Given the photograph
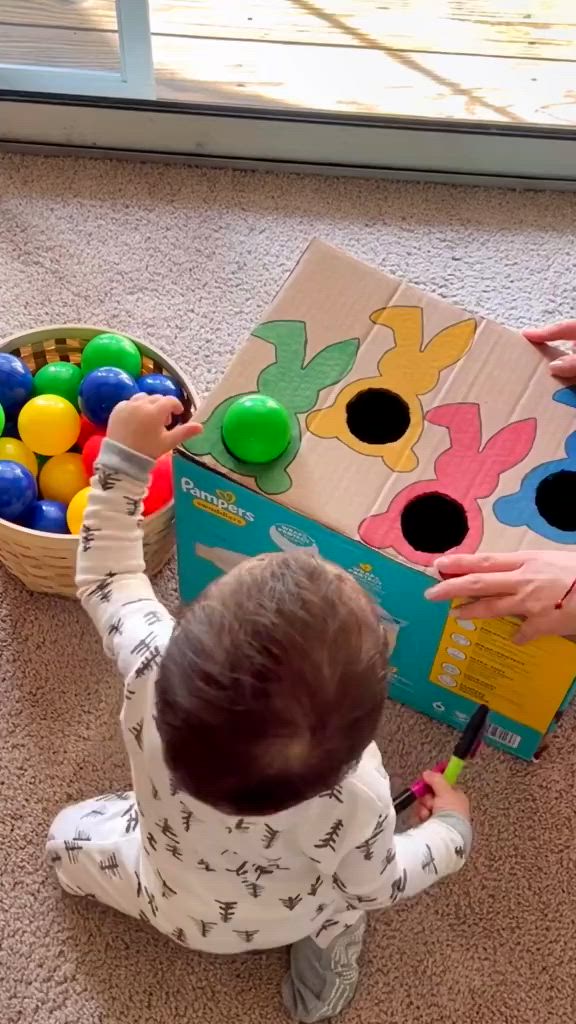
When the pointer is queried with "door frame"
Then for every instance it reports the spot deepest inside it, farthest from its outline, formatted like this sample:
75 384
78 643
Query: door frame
483 154
134 80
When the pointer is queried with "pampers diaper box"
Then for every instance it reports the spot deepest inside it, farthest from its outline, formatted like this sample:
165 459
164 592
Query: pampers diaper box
413 430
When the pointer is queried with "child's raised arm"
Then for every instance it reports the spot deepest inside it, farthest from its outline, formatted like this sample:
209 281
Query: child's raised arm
110 571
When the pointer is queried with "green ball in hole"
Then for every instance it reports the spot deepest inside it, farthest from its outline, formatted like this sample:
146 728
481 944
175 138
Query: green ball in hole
256 428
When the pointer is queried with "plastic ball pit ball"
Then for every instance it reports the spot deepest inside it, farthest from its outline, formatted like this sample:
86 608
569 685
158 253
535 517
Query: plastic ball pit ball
11 430
59 379
159 384
44 515
62 476
102 389
88 429
161 489
112 350
256 429
48 424
17 489
43 559
2 419
90 453
76 509
12 449
15 383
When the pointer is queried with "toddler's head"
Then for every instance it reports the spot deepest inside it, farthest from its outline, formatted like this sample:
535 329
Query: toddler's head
272 684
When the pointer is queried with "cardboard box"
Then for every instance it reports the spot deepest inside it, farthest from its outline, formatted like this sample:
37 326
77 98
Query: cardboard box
416 429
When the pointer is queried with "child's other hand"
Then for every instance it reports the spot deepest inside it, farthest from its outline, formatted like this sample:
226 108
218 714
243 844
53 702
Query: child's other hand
443 798
423 808
142 425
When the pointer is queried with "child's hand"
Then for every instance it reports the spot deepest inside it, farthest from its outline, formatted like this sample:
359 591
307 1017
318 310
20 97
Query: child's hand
442 798
142 425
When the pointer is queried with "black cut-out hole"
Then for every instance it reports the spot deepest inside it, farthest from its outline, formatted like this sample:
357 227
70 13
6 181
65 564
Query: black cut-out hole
377 416
434 523
556 500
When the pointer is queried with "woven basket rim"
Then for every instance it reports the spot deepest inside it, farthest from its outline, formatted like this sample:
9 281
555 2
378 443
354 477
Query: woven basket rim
52 331
72 538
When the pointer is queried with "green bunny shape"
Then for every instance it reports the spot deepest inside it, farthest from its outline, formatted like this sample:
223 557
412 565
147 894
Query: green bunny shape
289 381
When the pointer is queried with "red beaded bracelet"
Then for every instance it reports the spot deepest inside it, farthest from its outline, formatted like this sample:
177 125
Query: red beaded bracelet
560 604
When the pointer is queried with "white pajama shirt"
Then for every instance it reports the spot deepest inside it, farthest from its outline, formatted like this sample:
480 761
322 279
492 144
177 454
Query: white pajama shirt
213 881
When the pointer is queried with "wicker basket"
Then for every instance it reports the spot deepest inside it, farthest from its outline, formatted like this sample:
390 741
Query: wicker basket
45 562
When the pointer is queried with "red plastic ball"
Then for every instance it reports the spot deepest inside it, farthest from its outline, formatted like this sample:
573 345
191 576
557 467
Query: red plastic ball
88 429
91 451
161 490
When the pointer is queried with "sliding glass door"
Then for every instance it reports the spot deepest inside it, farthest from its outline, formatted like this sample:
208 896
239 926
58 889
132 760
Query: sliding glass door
77 48
474 90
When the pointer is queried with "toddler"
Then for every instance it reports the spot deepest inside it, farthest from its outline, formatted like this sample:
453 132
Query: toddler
260 813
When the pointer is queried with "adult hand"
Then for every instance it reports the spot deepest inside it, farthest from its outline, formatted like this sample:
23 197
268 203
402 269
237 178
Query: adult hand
527 583
142 425
564 365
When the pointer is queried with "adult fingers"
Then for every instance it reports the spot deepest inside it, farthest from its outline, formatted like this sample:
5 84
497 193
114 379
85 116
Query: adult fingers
487 608
564 330
462 565
533 628
473 585
563 367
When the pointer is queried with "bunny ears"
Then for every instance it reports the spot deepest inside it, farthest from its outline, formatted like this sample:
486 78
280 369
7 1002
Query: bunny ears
432 517
382 416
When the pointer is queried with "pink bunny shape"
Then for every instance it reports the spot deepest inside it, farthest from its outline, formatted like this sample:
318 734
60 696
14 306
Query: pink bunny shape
464 473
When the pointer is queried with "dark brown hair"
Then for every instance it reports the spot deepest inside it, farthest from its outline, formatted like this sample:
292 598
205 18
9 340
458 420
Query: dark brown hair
272 684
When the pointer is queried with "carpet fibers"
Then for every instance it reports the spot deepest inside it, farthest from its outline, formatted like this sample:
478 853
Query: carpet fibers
189 259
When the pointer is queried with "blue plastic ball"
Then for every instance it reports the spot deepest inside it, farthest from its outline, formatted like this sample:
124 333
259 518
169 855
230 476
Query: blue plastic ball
160 384
17 489
49 516
15 383
102 389
11 429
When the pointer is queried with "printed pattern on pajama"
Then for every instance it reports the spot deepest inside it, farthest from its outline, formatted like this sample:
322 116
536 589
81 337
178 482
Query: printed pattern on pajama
213 881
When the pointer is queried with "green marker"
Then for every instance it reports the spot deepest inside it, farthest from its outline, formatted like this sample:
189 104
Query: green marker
467 744
256 429
453 769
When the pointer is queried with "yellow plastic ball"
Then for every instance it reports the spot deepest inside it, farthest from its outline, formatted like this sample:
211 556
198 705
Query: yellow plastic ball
76 509
48 424
62 477
12 450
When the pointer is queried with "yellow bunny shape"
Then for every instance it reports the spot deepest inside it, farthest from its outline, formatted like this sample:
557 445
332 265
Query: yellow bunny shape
383 416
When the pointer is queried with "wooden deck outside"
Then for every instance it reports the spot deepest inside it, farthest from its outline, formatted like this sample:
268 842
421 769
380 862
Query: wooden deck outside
489 60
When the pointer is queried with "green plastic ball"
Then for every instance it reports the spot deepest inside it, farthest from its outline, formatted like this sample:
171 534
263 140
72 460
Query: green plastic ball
2 419
112 350
59 379
256 429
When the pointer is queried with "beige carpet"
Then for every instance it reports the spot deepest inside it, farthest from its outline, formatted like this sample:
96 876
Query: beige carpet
189 259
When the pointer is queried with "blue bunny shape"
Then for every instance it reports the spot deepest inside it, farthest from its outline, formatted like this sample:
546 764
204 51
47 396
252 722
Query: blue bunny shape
525 507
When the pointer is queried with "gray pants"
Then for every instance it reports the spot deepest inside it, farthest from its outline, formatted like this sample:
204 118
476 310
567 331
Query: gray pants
321 982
